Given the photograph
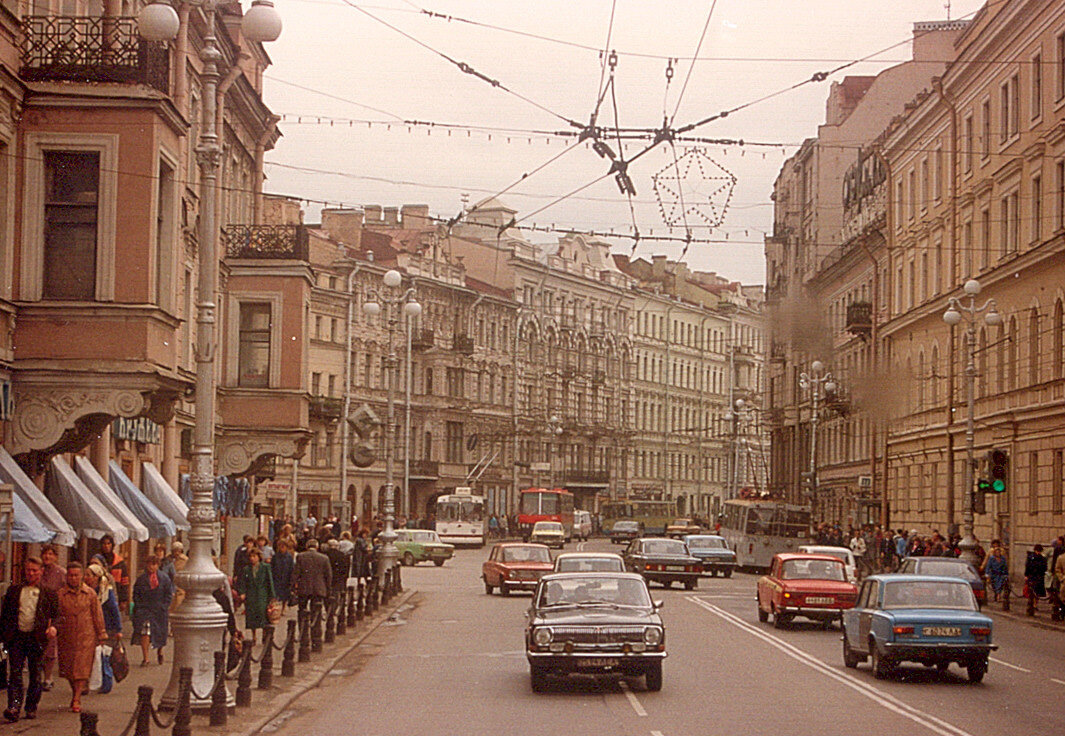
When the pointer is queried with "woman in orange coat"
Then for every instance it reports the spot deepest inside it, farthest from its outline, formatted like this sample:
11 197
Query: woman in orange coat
79 630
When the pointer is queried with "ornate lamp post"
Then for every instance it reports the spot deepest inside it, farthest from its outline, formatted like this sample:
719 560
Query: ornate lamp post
819 384
957 310
735 416
199 622
392 299
554 429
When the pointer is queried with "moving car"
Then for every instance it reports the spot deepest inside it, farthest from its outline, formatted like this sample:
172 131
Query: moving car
843 553
582 524
515 566
680 527
421 545
950 567
917 618
594 623
589 562
665 561
812 586
550 533
623 531
713 551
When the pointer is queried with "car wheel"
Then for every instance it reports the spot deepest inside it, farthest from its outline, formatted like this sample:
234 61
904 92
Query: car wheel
487 587
728 573
408 559
713 573
667 584
977 670
850 659
438 563
690 584
503 589
881 665
942 666
780 620
763 616
537 679
653 676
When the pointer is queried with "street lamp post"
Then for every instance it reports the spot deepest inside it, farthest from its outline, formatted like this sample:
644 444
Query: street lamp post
393 299
199 622
819 383
957 310
735 416
554 427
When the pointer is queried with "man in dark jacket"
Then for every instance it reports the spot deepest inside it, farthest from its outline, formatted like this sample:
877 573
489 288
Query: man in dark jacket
27 623
339 564
1035 570
312 576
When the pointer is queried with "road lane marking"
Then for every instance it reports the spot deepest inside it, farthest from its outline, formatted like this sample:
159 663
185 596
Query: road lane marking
1060 682
883 699
1007 664
633 701
656 733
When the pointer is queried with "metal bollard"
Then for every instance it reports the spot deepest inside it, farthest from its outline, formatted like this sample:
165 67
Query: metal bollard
305 636
341 604
219 714
330 620
244 678
316 625
89 722
266 664
360 605
386 587
288 661
351 608
143 725
183 710
397 581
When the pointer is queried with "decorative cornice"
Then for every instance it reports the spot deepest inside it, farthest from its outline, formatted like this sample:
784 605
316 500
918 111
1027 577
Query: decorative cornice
244 454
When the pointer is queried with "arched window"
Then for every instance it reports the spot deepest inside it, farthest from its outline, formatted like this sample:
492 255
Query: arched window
1000 359
1033 346
981 363
1058 360
922 379
1012 354
933 378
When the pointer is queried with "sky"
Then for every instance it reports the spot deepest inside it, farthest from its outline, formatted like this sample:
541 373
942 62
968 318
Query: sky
446 102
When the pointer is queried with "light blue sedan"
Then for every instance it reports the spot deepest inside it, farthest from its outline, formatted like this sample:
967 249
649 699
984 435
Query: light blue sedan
933 621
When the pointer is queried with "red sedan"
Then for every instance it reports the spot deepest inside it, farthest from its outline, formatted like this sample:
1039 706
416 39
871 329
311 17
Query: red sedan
515 566
812 586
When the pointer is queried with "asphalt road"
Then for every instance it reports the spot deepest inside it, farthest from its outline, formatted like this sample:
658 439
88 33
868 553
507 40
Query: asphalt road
453 663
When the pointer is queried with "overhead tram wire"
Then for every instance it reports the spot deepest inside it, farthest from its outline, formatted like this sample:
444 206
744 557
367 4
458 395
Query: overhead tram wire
463 66
331 96
691 67
603 65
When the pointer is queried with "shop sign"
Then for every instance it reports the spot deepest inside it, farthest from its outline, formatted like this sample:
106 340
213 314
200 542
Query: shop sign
140 429
7 401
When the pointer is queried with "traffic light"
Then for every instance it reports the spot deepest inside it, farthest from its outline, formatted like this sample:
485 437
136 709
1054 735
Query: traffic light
979 500
998 468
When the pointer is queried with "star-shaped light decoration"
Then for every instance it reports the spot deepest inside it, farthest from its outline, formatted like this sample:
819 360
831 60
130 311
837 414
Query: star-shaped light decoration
694 187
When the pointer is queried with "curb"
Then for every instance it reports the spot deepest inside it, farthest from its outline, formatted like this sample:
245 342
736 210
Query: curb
322 671
1028 620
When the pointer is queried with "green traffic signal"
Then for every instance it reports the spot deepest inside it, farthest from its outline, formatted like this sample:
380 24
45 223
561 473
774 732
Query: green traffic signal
984 485
998 486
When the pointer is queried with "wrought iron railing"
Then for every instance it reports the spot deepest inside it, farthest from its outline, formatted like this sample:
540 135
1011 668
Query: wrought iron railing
860 318
424 469
92 49
463 344
422 339
326 407
265 241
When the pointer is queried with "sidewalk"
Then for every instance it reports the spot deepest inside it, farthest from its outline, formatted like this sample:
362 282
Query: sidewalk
114 709
1016 613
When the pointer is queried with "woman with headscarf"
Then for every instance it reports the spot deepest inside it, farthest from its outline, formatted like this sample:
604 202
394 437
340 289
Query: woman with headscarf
281 567
152 594
80 629
256 584
100 582
117 567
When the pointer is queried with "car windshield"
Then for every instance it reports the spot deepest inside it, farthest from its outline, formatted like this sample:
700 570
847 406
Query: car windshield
839 554
547 526
813 570
626 526
948 568
589 564
526 554
682 522
664 547
706 543
926 594
426 537
588 590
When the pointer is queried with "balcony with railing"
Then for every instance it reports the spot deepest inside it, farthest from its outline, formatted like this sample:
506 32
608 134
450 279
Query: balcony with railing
422 339
92 49
283 242
424 470
860 319
326 407
463 344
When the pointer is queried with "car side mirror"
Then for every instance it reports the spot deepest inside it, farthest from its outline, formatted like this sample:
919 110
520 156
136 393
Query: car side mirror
658 605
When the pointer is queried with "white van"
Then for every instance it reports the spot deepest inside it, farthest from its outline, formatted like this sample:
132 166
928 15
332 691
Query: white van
841 553
582 524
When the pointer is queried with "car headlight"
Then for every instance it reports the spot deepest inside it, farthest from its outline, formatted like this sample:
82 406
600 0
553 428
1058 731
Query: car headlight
652 636
542 637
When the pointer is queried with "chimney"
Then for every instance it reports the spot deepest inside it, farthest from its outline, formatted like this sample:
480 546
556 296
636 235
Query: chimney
344 225
373 213
658 266
391 215
415 216
281 211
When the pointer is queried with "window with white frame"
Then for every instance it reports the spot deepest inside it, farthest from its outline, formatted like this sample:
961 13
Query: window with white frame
253 359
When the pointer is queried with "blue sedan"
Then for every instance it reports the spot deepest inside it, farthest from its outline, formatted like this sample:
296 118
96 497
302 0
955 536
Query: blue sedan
714 553
933 621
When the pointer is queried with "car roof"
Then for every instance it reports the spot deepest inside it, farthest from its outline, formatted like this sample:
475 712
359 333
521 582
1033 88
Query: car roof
547 521
826 546
948 560
578 575
605 555
704 536
785 556
903 578
520 544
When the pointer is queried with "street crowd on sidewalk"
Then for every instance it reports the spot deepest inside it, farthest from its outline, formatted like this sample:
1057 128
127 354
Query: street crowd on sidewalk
877 550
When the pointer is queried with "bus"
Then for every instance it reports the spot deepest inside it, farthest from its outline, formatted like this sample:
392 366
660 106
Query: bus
758 529
543 504
653 515
460 518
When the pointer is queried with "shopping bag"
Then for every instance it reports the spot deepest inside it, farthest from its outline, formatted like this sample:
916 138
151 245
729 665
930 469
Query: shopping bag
107 677
273 611
119 662
96 674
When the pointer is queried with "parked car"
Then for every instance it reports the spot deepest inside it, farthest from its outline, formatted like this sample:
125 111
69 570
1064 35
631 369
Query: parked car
623 531
515 566
713 551
550 533
421 545
843 553
665 561
582 524
917 618
680 527
589 562
950 567
812 586
594 623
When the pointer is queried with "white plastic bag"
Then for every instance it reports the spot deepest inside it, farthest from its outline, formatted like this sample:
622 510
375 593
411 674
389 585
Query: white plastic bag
97 675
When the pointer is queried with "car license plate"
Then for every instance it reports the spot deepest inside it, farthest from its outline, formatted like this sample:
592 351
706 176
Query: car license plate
597 661
820 600
675 568
942 631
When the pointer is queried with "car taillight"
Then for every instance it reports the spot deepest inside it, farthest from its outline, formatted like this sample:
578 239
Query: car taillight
902 630
692 568
980 631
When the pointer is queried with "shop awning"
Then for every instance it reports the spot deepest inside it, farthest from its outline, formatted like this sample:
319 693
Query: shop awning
36 502
164 497
97 485
158 523
77 503
25 527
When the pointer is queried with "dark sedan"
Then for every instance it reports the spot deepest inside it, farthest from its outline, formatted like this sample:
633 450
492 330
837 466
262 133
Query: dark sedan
665 561
594 623
948 567
714 553
623 531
